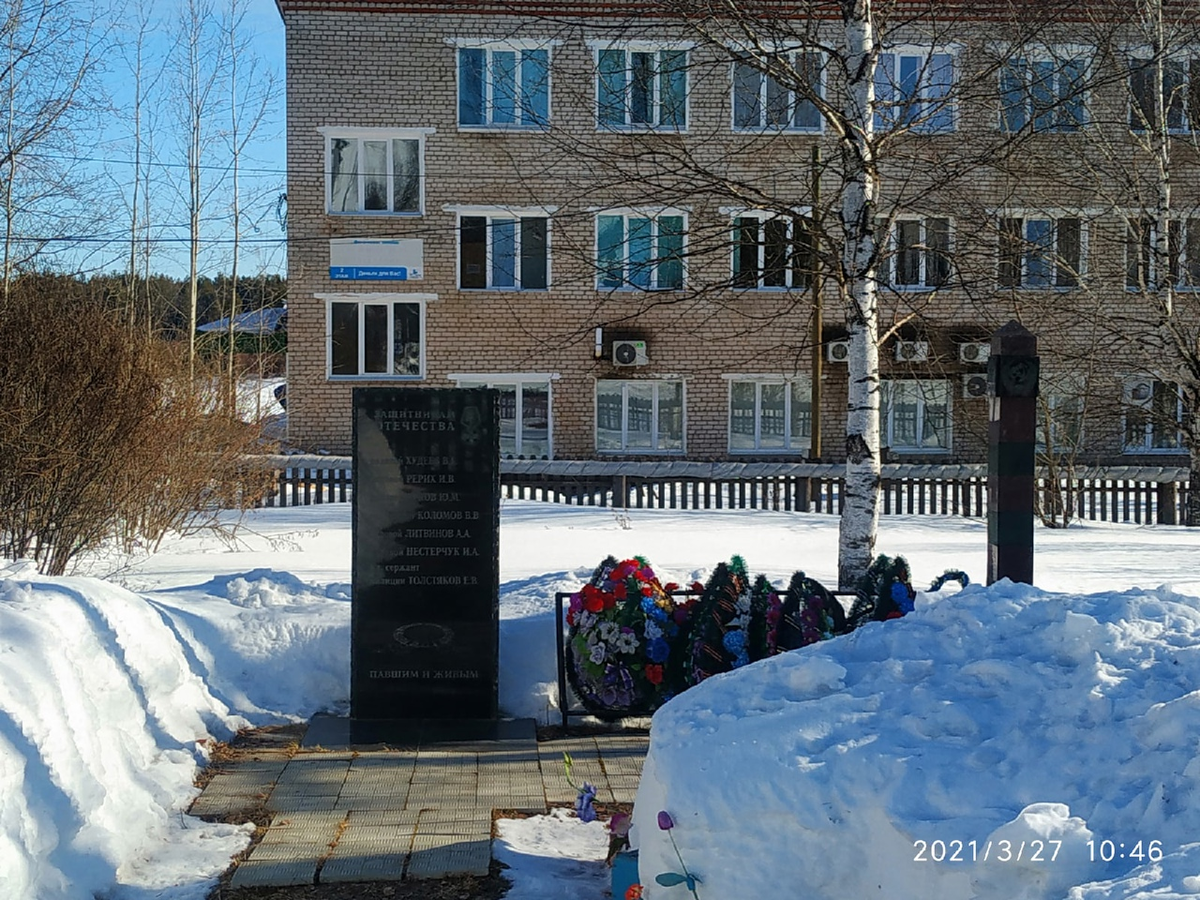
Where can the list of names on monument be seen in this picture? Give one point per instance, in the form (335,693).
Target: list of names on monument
(424,632)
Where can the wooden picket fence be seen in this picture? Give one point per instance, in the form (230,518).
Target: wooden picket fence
(1137,495)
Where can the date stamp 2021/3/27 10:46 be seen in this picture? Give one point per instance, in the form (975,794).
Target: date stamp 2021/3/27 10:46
(1031,851)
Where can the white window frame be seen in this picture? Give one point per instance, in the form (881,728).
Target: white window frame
(1146,54)
(388,299)
(625,449)
(1152,427)
(792,52)
(519,380)
(951,107)
(1060,55)
(639,46)
(764,215)
(503,212)
(329,134)
(513,45)
(1057,392)
(892,259)
(887,423)
(653,214)
(792,446)
(1181,260)
(1053,216)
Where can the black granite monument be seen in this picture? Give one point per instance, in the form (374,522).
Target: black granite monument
(424,623)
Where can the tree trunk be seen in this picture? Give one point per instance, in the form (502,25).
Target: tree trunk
(860,515)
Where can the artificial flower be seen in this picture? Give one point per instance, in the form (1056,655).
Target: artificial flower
(654,674)
(584,801)
(633,892)
(665,822)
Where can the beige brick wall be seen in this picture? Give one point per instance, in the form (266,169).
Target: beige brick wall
(353,68)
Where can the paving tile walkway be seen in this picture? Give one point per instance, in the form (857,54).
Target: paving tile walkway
(388,815)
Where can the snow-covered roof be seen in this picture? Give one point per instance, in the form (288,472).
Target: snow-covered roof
(256,321)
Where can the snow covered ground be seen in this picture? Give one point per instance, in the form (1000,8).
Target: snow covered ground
(955,723)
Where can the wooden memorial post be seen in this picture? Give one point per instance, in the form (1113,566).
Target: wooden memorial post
(1012,436)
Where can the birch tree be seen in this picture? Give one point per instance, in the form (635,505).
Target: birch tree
(860,516)
(200,69)
(251,91)
(51,53)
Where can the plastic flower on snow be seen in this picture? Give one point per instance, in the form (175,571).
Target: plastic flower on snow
(633,892)
(665,822)
(584,801)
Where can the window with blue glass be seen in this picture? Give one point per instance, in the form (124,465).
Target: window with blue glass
(778,92)
(1040,252)
(914,91)
(641,88)
(1043,94)
(503,87)
(1180,98)
(635,251)
(503,252)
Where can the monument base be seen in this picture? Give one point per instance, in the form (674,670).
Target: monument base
(342,733)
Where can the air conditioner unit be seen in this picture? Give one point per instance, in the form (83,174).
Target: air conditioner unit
(837,351)
(974,386)
(912,351)
(629,353)
(1139,392)
(974,353)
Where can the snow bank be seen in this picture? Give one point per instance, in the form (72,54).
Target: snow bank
(101,713)
(1002,714)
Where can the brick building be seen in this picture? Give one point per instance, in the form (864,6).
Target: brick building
(611,218)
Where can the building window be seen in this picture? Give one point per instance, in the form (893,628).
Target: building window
(1060,414)
(374,171)
(1040,253)
(1044,94)
(913,91)
(639,416)
(503,86)
(503,251)
(1142,269)
(770,416)
(524,413)
(376,337)
(918,254)
(641,88)
(772,251)
(1180,101)
(1153,411)
(915,415)
(778,92)
(640,251)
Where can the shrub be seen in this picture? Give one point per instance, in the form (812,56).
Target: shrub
(103,435)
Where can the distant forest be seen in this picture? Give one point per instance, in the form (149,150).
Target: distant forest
(162,300)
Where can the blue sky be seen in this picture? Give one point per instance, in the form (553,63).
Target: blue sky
(263,166)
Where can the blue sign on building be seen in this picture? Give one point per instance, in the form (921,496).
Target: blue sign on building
(371,273)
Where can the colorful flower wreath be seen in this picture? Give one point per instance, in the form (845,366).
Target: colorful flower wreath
(621,628)
(808,613)
(731,626)
(888,582)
